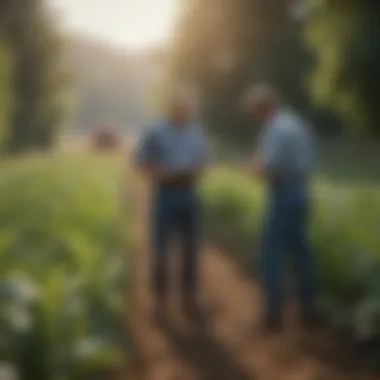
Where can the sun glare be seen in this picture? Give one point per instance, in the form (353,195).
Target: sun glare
(135,24)
(153,26)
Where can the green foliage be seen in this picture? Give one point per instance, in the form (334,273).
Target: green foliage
(38,79)
(63,269)
(229,197)
(344,234)
(344,36)
(5,92)
(224,46)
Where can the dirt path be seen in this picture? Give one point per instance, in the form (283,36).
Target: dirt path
(227,345)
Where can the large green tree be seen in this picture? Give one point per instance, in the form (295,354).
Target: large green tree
(37,76)
(224,45)
(5,92)
(345,38)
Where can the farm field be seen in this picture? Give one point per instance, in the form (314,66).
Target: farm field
(75,262)
(228,344)
(64,265)
(89,91)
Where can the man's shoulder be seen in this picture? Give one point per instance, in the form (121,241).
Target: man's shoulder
(155,130)
(285,118)
(289,122)
(197,129)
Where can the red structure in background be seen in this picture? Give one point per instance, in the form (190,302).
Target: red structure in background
(105,139)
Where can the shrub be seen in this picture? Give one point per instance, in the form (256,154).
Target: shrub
(63,268)
(233,206)
(344,232)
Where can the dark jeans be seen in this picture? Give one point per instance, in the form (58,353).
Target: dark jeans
(175,211)
(285,231)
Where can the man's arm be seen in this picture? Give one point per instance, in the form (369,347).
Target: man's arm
(270,154)
(147,160)
(155,172)
(255,166)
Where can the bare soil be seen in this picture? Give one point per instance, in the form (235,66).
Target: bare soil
(227,343)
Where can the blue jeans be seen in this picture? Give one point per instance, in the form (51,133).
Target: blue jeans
(175,211)
(285,232)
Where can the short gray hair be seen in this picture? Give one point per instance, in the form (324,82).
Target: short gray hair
(258,94)
(184,94)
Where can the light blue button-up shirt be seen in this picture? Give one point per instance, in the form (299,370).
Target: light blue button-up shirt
(287,146)
(180,148)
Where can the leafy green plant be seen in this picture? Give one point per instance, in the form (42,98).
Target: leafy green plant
(344,233)
(64,272)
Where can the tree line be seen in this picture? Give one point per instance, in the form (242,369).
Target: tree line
(35,81)
(324,60)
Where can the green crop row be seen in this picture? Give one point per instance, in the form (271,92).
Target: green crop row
(345,235)
(63,267)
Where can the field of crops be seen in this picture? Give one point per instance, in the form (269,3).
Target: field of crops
(64,246)
(64,267)
(345,233)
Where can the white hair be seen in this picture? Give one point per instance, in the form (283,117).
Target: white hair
(259,94)
(185,95)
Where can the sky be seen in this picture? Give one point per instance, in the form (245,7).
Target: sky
(134,24)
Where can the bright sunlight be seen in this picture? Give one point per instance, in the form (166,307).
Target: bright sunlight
(136,24)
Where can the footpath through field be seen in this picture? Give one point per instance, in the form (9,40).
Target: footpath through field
(227,344)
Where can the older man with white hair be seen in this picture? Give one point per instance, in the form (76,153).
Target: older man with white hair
(172,155)
(285,159)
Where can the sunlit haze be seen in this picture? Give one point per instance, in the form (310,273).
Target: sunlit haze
(135,24)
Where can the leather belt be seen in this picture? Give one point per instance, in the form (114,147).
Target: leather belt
(287,180)
(178,181)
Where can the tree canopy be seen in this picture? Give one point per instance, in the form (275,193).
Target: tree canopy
(5,92)
(225,45)
(37,74)
(345,39)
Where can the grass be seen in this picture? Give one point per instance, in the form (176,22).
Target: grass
(65,232)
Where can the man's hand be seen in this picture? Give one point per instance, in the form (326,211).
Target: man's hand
(163,172)
(193,172)
(255,167)
(157,172)
(199,169)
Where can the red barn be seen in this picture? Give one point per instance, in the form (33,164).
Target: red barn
(105,139)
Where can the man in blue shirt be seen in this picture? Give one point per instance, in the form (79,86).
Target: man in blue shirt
(172,155)
(286,161)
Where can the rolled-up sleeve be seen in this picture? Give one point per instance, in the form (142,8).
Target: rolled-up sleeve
(271,149)
(146,151)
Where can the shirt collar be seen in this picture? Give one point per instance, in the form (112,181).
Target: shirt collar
(181,129)
(277,115)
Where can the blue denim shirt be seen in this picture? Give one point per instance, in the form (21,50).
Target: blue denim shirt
(180,148)
(287,146)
